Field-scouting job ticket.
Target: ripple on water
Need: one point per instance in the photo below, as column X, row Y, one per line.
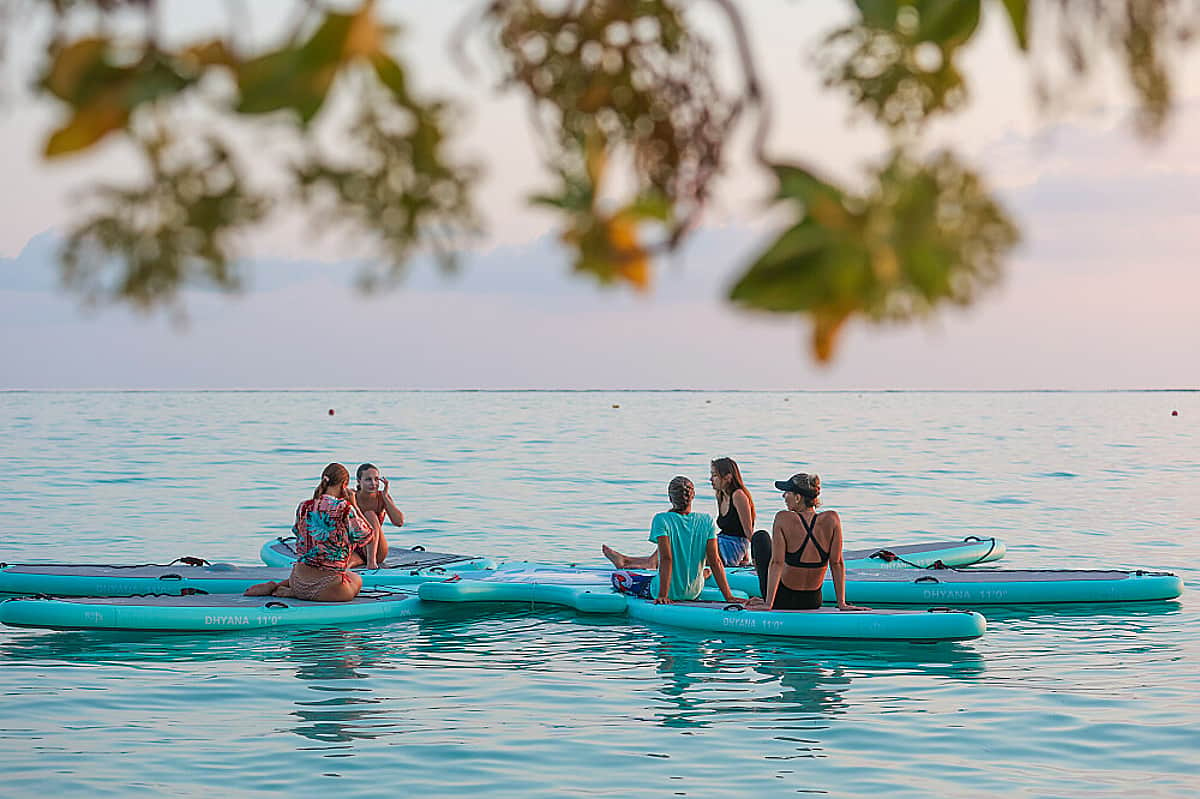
column 516, row 700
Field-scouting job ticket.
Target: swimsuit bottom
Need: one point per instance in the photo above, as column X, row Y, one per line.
column 791, row 599
column 734, row 549
column 310, row 583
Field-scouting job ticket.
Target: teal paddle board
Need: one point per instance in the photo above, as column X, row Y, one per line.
column 583, row 588
column 282, row 552
column 939, row 624
column 201, row 613
column 989, row 586
column 83, row 579
column 967, row 552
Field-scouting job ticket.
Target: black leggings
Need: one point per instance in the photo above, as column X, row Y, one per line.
column 785, row 598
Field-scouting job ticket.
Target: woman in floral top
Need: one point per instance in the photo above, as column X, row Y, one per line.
column 329, row 527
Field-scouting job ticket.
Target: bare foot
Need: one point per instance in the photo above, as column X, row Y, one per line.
column 262, row 589
column 615, row 557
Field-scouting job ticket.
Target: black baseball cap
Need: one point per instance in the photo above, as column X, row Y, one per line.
column 798, row 484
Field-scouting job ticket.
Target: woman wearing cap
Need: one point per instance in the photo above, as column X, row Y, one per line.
column 686, row 540
column 791, row 563
column 735, row 520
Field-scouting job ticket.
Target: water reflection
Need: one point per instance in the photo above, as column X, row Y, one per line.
column 705, row 680
column 333, row 662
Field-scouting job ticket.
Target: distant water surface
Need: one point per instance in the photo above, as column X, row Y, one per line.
column 1053, row 701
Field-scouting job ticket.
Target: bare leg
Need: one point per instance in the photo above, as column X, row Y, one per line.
column 628, row 562
column 284, row 589
column 381, row 548
column 614, row 557
column 262, row 589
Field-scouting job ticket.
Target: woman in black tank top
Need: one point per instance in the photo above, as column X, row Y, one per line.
column 735, row 512
column 791, row 562
column 735, row 523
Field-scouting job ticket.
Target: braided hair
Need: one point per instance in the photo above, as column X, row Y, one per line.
column 681, row 492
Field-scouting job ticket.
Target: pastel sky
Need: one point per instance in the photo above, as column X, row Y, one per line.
column 1100, row 295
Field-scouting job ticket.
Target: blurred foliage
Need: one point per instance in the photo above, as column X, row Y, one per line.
column 144, row 242
column 633, row 123
column 610, row 80
column 925, row 233
column 897, row 60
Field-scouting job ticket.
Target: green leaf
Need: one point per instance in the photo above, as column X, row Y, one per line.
column 651, row 205
column 87, row 126
column 878, row 13
column 70, row 67
column 797, row 183
column 1018, row 15
column 328, row 43
column 391, row 75
column 284, row 79
column 947, row 23
column 152, row 79
column 296, row 78
column 926, row 234
column 211, row 53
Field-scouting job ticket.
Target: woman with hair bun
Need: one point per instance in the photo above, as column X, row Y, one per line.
column 686, row 540
column 735, row 521
column 329, row 528
column 791, row 562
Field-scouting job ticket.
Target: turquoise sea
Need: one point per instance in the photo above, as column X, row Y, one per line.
column 1053, row 701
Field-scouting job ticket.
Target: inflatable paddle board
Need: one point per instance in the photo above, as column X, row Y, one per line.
column 967, row 552
column 583, row 588
column 990, row 586
column 201, row 613
column 282, row 552
column 79, row 579
column 938, row 624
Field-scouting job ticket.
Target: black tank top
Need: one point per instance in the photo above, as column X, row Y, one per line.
column 793, row 558
column 730, row 523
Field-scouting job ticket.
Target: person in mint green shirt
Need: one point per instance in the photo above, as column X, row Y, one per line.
column 686, row 541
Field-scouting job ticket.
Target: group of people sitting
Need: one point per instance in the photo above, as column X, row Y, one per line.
column 790, row 561
column 339, row 529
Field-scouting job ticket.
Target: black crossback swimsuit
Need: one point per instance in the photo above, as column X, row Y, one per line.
column 789, row 598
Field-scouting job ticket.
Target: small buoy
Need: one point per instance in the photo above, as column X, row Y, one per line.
column 785, row 399
column 708, row 402
column 1174, row 413
column 615, row 405
column 331, row 411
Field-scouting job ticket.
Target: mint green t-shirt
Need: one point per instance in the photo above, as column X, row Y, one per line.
column 689, row 536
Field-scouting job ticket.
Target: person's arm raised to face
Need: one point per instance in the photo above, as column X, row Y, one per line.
column 394, row 514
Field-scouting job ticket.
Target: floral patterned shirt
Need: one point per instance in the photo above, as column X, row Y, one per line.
column 327, row 530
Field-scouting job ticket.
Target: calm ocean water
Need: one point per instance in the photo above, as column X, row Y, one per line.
column 1053, row 701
